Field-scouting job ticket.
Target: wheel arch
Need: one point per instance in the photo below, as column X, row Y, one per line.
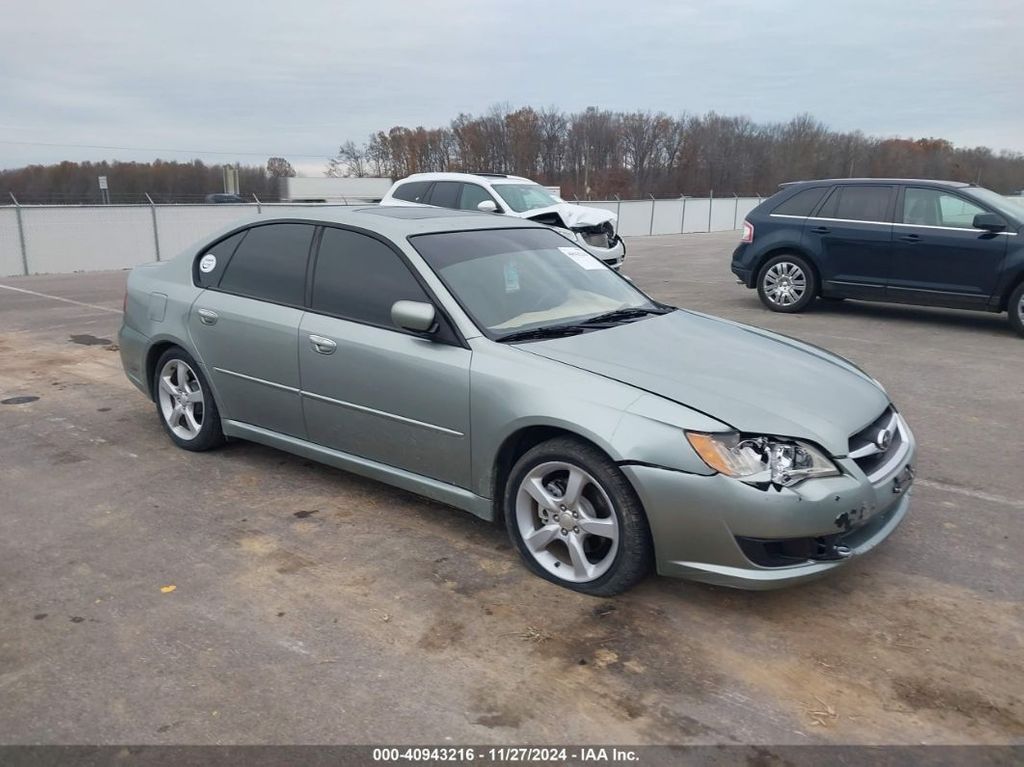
column 153, row 355
column 514, row 446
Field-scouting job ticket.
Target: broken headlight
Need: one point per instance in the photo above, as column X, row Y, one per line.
column 758, row 458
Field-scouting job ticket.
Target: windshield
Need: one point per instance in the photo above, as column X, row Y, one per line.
column 524, row 197
column 1001, row 204
column 510, row 280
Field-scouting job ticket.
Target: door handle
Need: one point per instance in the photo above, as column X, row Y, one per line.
column 821, row 230
column 911, row 238
column 322, row 345
column 207, row 316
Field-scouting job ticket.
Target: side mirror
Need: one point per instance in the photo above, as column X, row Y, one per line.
column 487, row 206
column 993, row 222
column 416, row 316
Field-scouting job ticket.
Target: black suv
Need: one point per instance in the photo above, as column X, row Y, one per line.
column 935, row 243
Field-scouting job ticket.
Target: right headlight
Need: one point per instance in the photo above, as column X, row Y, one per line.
column 761, row 458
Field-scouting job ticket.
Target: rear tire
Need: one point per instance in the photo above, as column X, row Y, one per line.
column 787, row 283
column 575, row 519
column 1015, row 309
column 184, row 402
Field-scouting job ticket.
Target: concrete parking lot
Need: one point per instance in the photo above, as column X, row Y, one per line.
column 151, row 595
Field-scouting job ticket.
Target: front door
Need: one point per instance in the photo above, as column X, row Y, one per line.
column 246, row 326
column 852, row 233
column 368, row 388
column 938, row 255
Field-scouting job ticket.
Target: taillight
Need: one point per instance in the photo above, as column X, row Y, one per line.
column 748, row 232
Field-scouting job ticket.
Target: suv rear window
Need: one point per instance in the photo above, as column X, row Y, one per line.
column 446, row 194
column 801, row 203
column 411, row 192
column 857, row 203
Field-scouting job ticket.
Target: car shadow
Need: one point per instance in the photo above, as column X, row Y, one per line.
column 924, row 315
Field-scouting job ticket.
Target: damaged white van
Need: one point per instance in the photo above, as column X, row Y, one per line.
column 592, row 228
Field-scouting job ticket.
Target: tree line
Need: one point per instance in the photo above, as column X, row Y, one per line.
column 597, row 153
column 130, row 182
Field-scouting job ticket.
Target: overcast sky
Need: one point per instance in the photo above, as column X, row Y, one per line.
column 229, row 80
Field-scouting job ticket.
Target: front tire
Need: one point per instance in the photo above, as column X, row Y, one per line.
column 787, row 283
column 575, row 519
column 1015, row 309
column 184, row 402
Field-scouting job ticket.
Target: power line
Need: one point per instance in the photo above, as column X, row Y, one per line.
column 154, row 149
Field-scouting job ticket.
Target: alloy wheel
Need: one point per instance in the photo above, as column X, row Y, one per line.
column 567, row 522
column 785, row 283
column 181, row 399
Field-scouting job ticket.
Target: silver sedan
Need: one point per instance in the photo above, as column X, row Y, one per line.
column 493, row 365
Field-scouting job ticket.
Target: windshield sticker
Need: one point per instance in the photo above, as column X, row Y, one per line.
column 511, row 278
column 208, row 263
column 582, row 258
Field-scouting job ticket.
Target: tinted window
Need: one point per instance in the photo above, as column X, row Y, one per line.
column 205, row 275
column 271, row 264
column 801, row 203
column 411, row 192
column 857, row 203
column 473, row 195
column 930, row 207
column 446, row 194
column 359, row 278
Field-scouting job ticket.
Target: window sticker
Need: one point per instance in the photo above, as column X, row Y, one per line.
column 207, row 263
column 582, row 258
column 511, row 277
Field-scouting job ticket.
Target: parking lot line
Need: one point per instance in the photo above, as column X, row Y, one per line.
column 60, row 298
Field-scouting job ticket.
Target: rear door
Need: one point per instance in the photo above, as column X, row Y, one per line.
column 369, row 388
column 852, row 235
column 938, row 255
column 245, row 326
column 445, row 194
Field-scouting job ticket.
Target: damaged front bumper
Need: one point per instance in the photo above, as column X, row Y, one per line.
column 722, row 531
column 611, row 250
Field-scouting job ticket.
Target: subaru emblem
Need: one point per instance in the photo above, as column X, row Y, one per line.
column 883, row 440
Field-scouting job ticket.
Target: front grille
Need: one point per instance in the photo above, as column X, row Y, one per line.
column 866, row 450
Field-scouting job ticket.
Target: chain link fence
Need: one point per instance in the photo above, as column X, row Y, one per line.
column 38, row 239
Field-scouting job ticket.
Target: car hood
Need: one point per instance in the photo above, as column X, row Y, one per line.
column 572, row 215
column 750, row 379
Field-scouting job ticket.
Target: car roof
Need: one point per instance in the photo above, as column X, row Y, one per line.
column 480, row 178
column 400, row 221
column 881, row 181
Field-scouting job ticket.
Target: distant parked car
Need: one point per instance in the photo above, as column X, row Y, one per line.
column 223, row 197
column 933, row 243
column 593, row 229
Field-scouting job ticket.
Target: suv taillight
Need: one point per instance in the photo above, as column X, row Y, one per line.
column 748, row 232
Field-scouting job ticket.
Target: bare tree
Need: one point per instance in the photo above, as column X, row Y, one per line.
column 278, row 167
column 599, row 153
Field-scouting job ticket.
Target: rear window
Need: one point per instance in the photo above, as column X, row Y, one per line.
column 270, row 264
column 411, row 192
column 801, row 203
column 858, row 203
column 446, row 194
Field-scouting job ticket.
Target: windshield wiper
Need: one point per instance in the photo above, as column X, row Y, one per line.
column 631, row 313
column 551, row 331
